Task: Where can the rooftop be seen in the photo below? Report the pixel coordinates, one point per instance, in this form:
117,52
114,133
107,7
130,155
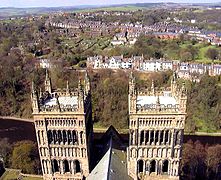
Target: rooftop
167,99
63,101
112,166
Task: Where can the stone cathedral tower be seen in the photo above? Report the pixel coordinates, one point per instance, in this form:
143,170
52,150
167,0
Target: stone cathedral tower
156,124
63,125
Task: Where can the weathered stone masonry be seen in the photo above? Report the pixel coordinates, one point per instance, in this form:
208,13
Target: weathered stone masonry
63,128
156,127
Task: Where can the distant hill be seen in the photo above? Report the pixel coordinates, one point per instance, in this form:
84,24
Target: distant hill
12,12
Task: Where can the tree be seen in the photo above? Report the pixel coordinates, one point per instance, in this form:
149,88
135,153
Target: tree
25,157
5,151
186,56
193,50
212,53
203,105
214,162
188,162
193,165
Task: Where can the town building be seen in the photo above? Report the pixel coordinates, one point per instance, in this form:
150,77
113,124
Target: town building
185,70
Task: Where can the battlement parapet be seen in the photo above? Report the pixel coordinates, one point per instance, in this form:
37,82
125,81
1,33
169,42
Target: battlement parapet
63,92
150,93
158,108
61,108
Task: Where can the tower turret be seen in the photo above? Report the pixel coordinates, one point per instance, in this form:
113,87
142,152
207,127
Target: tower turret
132,94
48,87
67,89
86,83
58,104
158,103
183,98
80,97
34,98
153,88
132,89
173,84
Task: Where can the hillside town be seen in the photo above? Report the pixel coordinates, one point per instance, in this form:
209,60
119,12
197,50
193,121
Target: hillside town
110,92
127,33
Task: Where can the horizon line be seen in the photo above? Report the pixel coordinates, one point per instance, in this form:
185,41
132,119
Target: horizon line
103,5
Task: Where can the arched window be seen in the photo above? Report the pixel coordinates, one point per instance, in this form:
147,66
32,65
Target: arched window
165,166
77,166
147,137
69,137
151,137
156,137
50,138
75,139
55,136
66,166
153,166
167,136
141,137
161,137
64,136
178,137
55,165
81,137
140,166
59,137
131,137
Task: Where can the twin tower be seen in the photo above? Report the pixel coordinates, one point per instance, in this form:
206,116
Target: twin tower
64,130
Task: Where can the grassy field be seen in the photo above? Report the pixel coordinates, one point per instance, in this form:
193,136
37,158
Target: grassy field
12,174
202,49
114,8
32,178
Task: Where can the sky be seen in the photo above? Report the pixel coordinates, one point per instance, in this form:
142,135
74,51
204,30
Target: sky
56,3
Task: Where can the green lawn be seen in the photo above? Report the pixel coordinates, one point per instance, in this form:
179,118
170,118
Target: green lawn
32,178
14,175
202,52
202,57
10,175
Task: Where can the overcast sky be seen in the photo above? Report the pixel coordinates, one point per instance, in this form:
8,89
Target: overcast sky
54,3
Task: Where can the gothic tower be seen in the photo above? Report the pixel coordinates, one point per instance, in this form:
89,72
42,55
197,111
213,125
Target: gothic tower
63,124
156,127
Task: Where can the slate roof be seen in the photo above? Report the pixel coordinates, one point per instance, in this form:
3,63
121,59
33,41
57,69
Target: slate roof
165,100
63,101
112,166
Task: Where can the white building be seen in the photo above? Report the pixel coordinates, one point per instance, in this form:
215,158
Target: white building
45,63
157,65
115,62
